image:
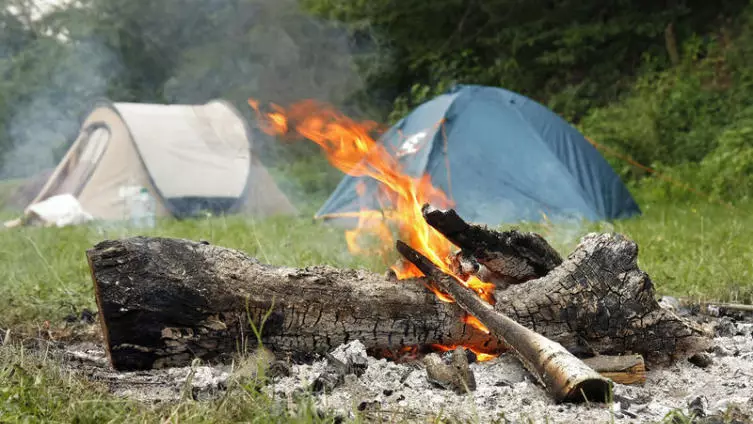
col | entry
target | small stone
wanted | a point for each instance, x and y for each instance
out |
(725, 327)
(721, 351)
(88, 317)
(701, 360)
(697, 407)
(670, 303)
(353, 356)
(455, 375)
(363, 406)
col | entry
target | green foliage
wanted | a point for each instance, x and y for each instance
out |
(691, 123)
(725, 174)
(578, 54)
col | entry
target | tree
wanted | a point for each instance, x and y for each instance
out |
(572, 54)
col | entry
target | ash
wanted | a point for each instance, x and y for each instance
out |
(506, 392)
(349, 383)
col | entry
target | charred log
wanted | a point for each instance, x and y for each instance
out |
(597, 301)
(509, 257)
(163, 302)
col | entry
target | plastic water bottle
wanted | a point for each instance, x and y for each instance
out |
(143, 209)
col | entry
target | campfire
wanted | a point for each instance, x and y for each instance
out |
(576, 324)
(349, 147)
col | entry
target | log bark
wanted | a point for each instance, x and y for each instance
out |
(165, 301)
(597, 301)
(503, 258)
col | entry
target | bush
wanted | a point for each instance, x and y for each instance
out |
(693, 123)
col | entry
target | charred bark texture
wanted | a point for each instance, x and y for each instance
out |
(509, 257)
(597, 301)
(166, 301)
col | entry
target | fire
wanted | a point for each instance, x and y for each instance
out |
(481, 356)
(474, 322)
(349, 146)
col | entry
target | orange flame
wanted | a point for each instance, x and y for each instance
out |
(349, 146)
(481, 356)
(474, 322)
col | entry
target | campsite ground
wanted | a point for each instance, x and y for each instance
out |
(690, 250)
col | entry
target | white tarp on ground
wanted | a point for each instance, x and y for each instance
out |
(60, 211)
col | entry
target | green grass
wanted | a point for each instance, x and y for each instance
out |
(700, 251)
(33, 388)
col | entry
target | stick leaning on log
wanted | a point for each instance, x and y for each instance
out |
(566, 377)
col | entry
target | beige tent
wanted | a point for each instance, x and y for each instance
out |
(191, 158)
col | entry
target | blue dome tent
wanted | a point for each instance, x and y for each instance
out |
(501, 157)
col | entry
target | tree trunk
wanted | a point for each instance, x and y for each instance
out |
(164, 301)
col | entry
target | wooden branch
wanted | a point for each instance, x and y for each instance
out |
(566, 377)
(628, 369)
(165, 301)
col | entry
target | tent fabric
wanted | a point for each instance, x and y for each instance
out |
(501, 158)
(191, 158)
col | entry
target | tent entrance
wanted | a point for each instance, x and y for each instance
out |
(81, 161)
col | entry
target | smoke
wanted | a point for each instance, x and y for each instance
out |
(63, 85)
(270, 50)
(194, 51)
(274, 52)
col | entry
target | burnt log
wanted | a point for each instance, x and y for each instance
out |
(597, 301)
(503, 258)
(165, 301)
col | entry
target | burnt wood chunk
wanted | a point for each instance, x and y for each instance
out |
(511, 256)
(626, 369)
(165, 301)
